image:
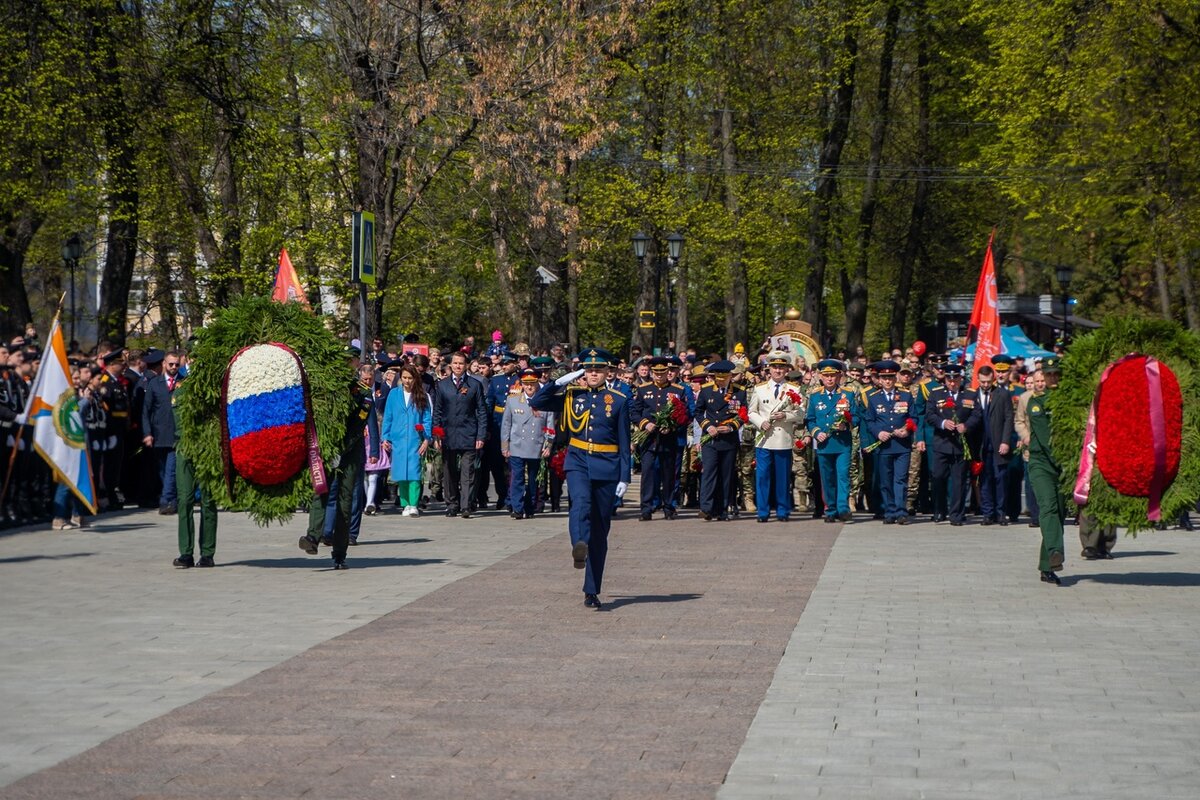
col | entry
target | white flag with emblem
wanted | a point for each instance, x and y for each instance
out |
(58, 432)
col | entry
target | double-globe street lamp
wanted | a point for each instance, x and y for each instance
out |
(72, 250)
(662, 267)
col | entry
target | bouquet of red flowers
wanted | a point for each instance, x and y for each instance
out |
(949, 403)
(420, 429)
(668, 418)
(910, 425)
(439, 432)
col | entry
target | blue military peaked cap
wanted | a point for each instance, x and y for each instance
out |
(1002, 362)
(154, 357)
(829, 366)
(887, 367)
(659, 364)
(720, 366)
(953, 370)
(595, 357)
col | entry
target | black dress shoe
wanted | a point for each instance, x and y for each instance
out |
(184, 562)
(958, 523)
(591, 601)
(670, 513)
(1091, 554)
(646, 517)
(327, 541)
(1050, 577)
(340, 564)
(1033, 523)
(847, 517)
(354, 542)
(704, 515)
(451, 512)
(889, 521)
(985, 521)
(903, 520)
(205, 561)
(763, 519)
(1002, 522)
(1106, 555)
(579, 553)
(308, 545)
(723, 518)
(782, 519)
(466, 515)
(1185, 522)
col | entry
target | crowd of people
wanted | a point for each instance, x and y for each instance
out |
(465, 429)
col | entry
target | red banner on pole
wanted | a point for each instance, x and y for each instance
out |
(985, 315)
(287, 282)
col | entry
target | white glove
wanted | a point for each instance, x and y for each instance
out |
(621, 487)
(569, 377)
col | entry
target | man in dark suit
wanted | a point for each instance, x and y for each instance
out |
(158, 427)
(995, 445)
(460, 410)
(953, 414)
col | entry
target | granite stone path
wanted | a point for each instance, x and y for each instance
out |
(497, 684)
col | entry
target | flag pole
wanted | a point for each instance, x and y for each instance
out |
(12, 457)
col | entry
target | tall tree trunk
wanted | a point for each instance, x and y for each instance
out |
(835, 112)
(307, 256)
(17, 228)
(225, 174)
(854, 294)
(737, 311)
(507, 279)
(1160, 279)
(920, 204)
(164, 295)
(120, 141)
(193, 308)
(1184, 264)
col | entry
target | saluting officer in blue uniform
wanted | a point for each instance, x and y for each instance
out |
(596, 418)
(661, 448)
(717, 411)
(831, 417)
(891, 420)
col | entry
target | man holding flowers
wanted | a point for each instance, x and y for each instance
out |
(526, 435)
(659, 410)
(952, 413)
(831, 417)
(891, 424)
(776, 408)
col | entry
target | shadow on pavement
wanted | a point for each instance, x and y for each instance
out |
(113, 527)
(629, 600)
(22, 559)
(324, 562)
(394, 541)
(1133, 553)
(1138, 579)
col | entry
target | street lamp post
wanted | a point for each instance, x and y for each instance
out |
(662, 268)
(1064, 273)
(72, 249)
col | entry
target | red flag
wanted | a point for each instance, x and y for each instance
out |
(985, 315)
(287, 283)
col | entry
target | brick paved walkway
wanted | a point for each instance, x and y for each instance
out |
(501, 684)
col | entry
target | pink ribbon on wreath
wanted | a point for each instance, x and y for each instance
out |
(1158, 438)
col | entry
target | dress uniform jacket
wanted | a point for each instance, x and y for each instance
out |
(597, 427)
(826, 414)
(647, 400)
(762, 401)
(523, 429)
(942, 406)
(884, 414)
(715, 406)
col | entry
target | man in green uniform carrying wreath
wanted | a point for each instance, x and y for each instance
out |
(1032, 422)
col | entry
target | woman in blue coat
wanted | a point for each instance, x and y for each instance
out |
(407, 407)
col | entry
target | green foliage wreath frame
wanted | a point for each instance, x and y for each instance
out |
(1085, 362)
(249, 321)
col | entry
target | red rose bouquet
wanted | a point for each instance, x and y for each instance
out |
(668, 418)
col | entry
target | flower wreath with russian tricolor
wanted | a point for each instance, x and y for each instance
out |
(265, 407)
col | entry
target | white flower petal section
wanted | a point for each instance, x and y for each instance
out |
(263, 368)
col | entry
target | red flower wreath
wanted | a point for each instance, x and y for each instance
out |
(1124, 443)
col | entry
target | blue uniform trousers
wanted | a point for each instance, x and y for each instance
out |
(772, 470)
(357, 504)
(523, 483)
(589, 518)
(892, 471)
(658, 477)
(835, 482)
(716, 480)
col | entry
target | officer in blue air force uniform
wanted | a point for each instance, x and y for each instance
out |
(717, 410)
(891, 421)
(831, 417)
(596, 419)
(660, 449)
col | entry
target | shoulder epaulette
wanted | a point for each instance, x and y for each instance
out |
(677, 385)
(708, 385)
(615, 391)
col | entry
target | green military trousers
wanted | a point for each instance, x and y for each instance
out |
(185, 484)
(1043, 477)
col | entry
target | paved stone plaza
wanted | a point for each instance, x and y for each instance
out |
(734, 660)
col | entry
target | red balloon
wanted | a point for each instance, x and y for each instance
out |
(918, 348)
